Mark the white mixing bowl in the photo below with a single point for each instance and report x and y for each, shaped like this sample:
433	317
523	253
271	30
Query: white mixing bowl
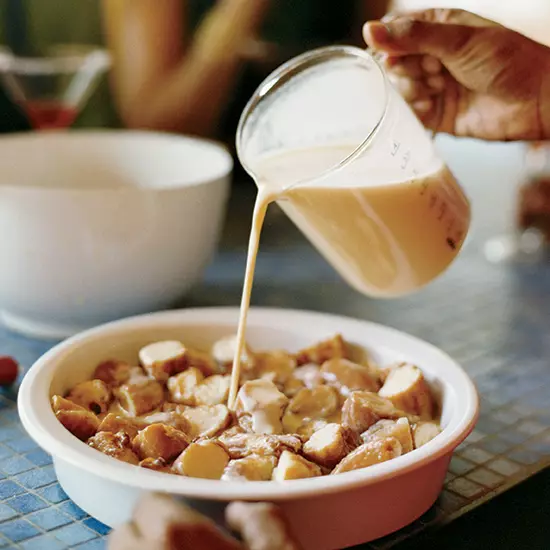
326	513
98	225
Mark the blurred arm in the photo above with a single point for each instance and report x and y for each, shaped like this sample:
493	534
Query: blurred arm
161	83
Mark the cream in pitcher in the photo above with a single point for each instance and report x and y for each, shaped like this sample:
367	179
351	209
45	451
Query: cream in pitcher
384	240
329	139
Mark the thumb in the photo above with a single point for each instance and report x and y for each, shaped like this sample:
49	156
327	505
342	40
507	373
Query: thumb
407	35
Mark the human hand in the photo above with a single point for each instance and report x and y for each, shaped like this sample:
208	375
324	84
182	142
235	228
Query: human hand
261	525
162	523
465	75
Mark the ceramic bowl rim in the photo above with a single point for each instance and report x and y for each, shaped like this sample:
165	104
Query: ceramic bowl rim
220	166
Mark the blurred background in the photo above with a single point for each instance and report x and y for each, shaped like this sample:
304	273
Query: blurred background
163	53
189	66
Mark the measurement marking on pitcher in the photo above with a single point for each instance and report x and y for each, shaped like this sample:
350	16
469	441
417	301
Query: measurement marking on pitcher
424	185
405	160
444	213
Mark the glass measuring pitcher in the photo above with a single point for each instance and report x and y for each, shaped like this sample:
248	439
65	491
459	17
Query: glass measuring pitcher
355	170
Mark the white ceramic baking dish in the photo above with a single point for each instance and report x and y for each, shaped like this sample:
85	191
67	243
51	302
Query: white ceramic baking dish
326	513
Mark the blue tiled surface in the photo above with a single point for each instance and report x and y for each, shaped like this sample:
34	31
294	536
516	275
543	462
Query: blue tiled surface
95	544
4	451
27	503
39	458
9	489
96	526
53	493
6	512
8	433
43	542
18	530
72	510
74	534
22	445
16	465
51	518
34	479
493	319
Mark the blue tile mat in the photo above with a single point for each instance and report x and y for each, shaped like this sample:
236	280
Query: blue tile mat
511	440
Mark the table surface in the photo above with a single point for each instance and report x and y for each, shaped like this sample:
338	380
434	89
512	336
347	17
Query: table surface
492	318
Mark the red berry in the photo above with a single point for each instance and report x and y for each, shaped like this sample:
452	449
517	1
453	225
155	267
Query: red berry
9	369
